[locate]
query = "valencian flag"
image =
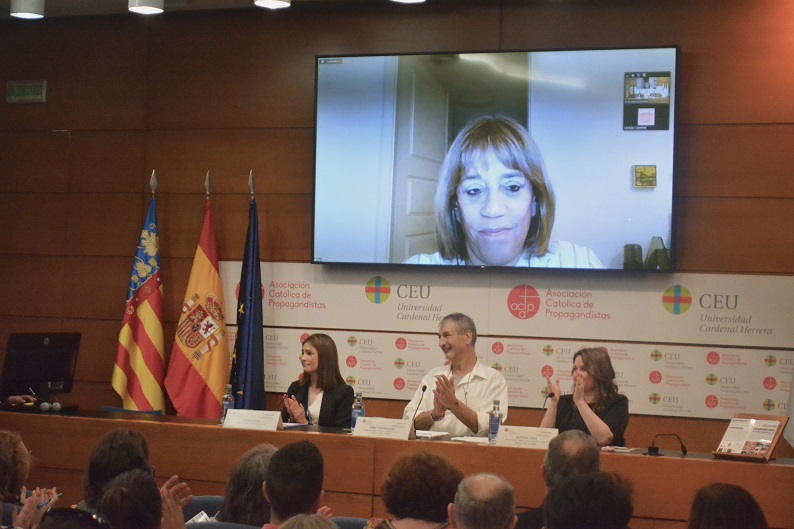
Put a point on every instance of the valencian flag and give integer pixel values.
(199, 365)
(248, 360)
(139, 369)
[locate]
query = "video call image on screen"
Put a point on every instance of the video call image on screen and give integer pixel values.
(547, 159)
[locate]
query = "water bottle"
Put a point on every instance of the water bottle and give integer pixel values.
(494, 422)
(359, 410)
(227, 402)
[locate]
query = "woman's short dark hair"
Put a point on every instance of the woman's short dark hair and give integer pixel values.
(69, 518)
(243, 501)
(132, 501)
(725, 506)
(420, 486)
(598, 365)
(117, 451)
(516, 149)
(328, 374)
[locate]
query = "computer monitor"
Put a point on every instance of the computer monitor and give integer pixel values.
(40, 363)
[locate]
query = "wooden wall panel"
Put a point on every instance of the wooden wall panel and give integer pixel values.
(735, 161)
(109, 161)
(34, 286)
(103, 224)
(96, 287)
(734, 234)
(33, 162)
(34, 223)
(281, 159)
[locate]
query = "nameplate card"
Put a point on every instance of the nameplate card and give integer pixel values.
(525, 436)
(382, 428)
(253, 420)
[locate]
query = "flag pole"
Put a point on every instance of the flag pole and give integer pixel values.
(153, 182)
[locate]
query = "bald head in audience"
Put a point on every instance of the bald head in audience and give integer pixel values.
(570, 453)
(483, 501)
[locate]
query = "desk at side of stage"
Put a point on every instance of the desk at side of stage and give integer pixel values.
(202, 454)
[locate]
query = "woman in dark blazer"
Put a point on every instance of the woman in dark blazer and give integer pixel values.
(320, 395)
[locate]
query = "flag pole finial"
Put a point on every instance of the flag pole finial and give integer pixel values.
(251, 182)
(207, 184)
(153, 182)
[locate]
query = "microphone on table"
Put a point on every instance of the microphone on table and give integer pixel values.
(549, 395)
(653, 450)
(413, 426)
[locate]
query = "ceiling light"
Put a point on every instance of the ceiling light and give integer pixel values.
(27, 8)
(273, 4)
(408, 1)
(146, 7)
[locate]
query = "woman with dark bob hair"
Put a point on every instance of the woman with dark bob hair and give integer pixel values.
(320, 395)
(494, 204)
(595, 407)
(725, 506)
(417, 491)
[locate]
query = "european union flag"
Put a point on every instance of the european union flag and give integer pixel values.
(248, 361)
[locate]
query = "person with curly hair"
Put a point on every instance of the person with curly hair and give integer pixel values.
(595, 407)
(417, 491)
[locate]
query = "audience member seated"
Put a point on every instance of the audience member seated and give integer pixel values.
(294, 483)
(417, 491)
(18, 502)
(243, 501)
(483, 501)
(133, 501)
(570, 453)
(725, 506)
(308, 521)
(116, 452)
(589, 501)
(68, 518)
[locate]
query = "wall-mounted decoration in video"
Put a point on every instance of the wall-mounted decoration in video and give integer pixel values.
(646, 101)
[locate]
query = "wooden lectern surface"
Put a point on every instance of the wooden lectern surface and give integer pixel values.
(203, 454)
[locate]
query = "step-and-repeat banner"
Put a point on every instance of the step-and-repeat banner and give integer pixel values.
(689, 345)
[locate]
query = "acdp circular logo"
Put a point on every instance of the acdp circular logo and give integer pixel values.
(677, 299)
(377, 289)
(399, 383)
(497, 348)
(712, 401)
(400, 343)
(523, 302)
(770, 383)
(655, 377)
(351, 361)
(713, 358)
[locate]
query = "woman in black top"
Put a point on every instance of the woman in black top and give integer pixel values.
(320, 395)
(595, 407)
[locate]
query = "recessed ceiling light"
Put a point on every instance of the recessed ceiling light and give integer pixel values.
(29, 9)
(146, 7)
(272, 4)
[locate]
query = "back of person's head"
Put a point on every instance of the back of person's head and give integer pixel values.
(484, 501)
(243, 501)
(589, 501)
(132, 501)
(294, 480)
(725, 506)
(116, 452)
(68, 518)
(308, 521)
(420, 486)
(14, 465)
(571, 452)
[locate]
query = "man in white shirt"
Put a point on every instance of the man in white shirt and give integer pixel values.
(463, 390)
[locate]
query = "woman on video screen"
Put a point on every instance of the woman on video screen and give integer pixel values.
(494, 205)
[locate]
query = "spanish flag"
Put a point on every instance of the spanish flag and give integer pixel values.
(139, 369)
(199, 367)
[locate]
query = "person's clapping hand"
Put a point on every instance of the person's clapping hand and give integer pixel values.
(578, 389)
(30, 515)
(444, 393)
(554, 388)
(179, 491)
(172, 508)
(295, 410)
(325, 512)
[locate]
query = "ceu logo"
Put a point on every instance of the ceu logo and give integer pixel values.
(352, 341)
(711, 379)
(377, 290)
(351, 361)
(770, 360)
(497, 348)
(677, 299)
(770, 383)
(351, 380)
(713, 358)
(769, 404)
(655, 377)
(545, 392)
(399, 363)
(399, 383)
(523, 302)
(656, 355)
(497, 366)
(548, 350)
(712, 401)
(654, 398)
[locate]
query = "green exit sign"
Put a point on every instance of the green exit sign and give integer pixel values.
(26, 91)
